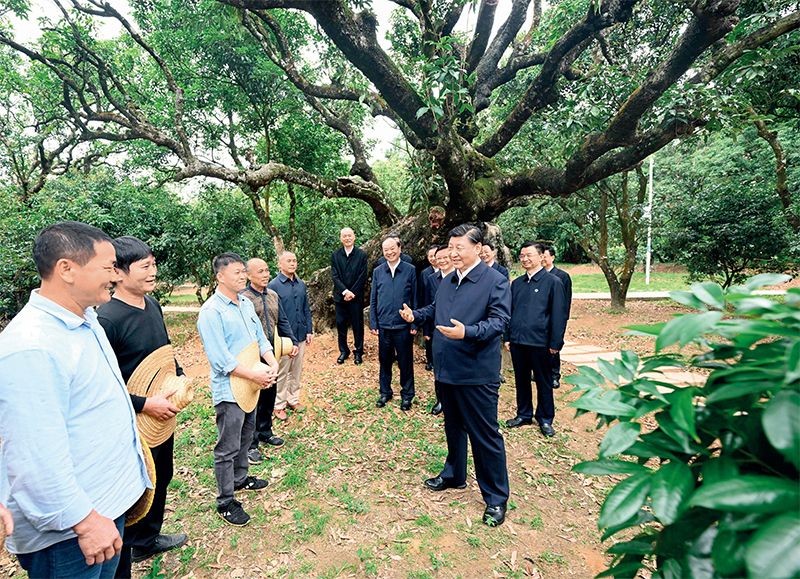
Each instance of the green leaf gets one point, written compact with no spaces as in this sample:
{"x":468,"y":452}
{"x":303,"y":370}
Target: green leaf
{"x":609,"y":370}
{"x":748,"y":494}
{"x":686,"y":328}
{"x":609,"y":466}
{"x":646,"y":329}
{"x":603,"y":406}
{"x":627,"y":569}
{"x":793,"y":364}
{"x":635,"y":546}
{"x":629,"y":363}
{"x":719,"y":469}
{"x":772,"y":551}
{"x":682,"y":411}
{"x":781,"y":422}
{"x":764,"y":279}
{"x":671,"y":485}
{"x":619,"y":438}
{"x":421,"y":111}
{"x":728,"y":553}
{"x":624,"y":500}
{"x":710,"y":293}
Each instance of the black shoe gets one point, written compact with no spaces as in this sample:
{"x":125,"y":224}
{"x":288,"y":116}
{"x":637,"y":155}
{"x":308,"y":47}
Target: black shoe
{"x":357,"y":359}
{"x":233,"y":514}
{"x":254,"y":456}
{"x":517,"y":421}
{"x":547,"y":429}
{"x":494,"y":515}
{"x":252,"y":483}
{"x":405,"y":405}
{"x":160,"y":545}
{"x":273,"y":440}
{"x":342,"y":358}
{"x":381,"y":402}
{"x":556,"y":385}
{"x":428,"y":366}
{"x":438,"y":483}
{"x":437,"y":408}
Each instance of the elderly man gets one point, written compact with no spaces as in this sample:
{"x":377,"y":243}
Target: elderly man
{"x":71,"y":459}
{"x":134,"y":324}
{"x":227,"y":325}
{"x":470,"y":312}
{"x":394,"y":283}
{"x":349,"y":273}
{"x":294,"y":299}
{"x":548,"y":260}
{"x":536,"y":332}
{"x":271,"y":313}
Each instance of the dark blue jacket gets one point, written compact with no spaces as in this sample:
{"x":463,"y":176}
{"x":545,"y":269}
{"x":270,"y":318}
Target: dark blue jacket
{"x":501,"y":269}
{"x":538,"y":317}
{"x":422,"y":280}
{"x":294,"y":301}
{"x":432,"y":283}
{"x":482,"y":302}
{"x":567,"y":282}
{"x":388,"y":294}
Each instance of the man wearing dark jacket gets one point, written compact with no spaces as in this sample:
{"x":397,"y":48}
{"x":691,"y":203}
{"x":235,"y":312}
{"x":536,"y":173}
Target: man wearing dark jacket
{"x":432,"y":283}
{"x":422,"y":297}
{"x":349,"y":272}
{"x":489,"y":257}
{"x":393,"y":283}
{"x":536,"y":331}
{"x":548,"y":260}
{"x":471,"y":309}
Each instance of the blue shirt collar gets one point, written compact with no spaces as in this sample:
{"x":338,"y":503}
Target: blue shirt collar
{"x":284,"y":278}
{"x":225,"y":299}
{"x":68,"y":318}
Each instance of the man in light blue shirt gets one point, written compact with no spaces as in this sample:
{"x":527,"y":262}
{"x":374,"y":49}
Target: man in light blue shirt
{"x":71,"y":458}
{"x":227,"y":325}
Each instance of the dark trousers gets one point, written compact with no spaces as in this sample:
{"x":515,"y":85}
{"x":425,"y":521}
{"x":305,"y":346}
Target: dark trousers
{"x":65,"y":560}
{"x":534,"y":360}
{"x":555,"y":364}
{"x":234,"y":435}
{"x":470,"y":412}
{"x":263,"y":418}
{"x":428,"y":351}
{"x":396,"y":344}
{"x":350,"y":314}
{"x":143,"y":534}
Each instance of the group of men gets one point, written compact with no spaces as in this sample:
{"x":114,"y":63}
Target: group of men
{"x":65,"y":409}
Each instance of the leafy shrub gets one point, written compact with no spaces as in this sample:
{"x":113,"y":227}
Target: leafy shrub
{"x":713,"y":490}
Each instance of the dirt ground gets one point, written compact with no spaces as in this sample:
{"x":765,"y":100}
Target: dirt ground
{"x":346,"y":496}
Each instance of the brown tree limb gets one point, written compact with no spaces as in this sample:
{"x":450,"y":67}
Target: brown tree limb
{"x":781,"y":182}
{"x":483,"y":30}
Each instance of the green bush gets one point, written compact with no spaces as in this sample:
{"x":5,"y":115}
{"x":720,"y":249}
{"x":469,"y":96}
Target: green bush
{"x":713,"y":489}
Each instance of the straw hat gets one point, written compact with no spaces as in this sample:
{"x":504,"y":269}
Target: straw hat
{"x":281,"y":346}
{"x":141,"y":507}
{"x":245,"y":392}
{"x":156,"y":375}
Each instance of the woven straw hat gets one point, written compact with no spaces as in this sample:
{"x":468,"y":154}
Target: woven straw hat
{"x":156,"y":375}
{"x":281,"y":346}
{"x":245,"y":392}
{"x":141,"y":507}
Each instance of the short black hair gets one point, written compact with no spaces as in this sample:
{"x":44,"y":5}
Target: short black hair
{"x":434,"y":246}
{"x":551,"y":249}
{"x":223,"y":260}
{"x":470,"y":231}
{"x":442,"y":248}
{"x":130,"y":250}
{"x":540,"y":247}
{"x":71,"y":240}
{"x":393,"y":236}
{"x":489,"y":244}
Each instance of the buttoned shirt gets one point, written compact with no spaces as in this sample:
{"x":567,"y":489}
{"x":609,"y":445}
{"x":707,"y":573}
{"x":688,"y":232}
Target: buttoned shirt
{"x":226,"y":328}
{"x":270,"y":311}
{"x":68,"y":430}
{"x":389,"y":293}
{"x":538,"y":316}
{"x":294,"y":301}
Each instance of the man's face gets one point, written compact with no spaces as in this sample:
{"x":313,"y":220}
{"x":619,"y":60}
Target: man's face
{"x":233,"y":277}
{"x":140,"y":278}
{"x":443,"y":260}
{"x":391,"y":250}
{"x":347,"y":237}
{"x":258,"y":273}
{"x":432,"y":257}
{"x":92,"y":282}
{"x":530,"y":258}
{"x":487,"y":255}
{"x":548,"y":259}
{"x":288,"y":264}
{"x":463,"y":252}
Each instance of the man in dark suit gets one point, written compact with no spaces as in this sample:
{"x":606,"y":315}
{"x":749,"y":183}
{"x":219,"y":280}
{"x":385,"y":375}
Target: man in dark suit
{"x":548,"y":259}
{"x":349,"y":272}
{"x":489,"y":257}
{"x":535,"y":333}
{"x":432,"y":283}
{"x":393,"y":283}
{"x":422,"y":295}
{"x":471,"y":309}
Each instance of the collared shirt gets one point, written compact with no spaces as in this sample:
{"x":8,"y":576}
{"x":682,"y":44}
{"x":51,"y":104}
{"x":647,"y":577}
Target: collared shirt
{"x":538,"y":316}
{"x":226,"y":328}
{"x":348,"y":251}
{"x":531,"y":274}
{"x":393,"y":268}
{"x":294,"y":301}
{"x":269,"y":309}
{"x":68,"y":430}
{"x":461,"y":276}
{"x":389,"y":293}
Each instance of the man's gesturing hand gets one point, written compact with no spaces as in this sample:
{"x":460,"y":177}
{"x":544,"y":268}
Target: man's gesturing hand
{"x":454,"y":332}
{"x":98,"y":538}
{"x":407,"y":314}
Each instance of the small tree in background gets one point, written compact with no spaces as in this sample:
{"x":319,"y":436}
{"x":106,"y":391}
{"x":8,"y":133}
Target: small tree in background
{"x":713,"y":490}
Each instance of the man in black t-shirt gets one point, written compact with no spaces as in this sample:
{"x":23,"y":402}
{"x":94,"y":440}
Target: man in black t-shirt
{"x":134,"y":324}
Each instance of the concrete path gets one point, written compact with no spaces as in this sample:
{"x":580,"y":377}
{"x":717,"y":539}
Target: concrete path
{"x":656,"y":295}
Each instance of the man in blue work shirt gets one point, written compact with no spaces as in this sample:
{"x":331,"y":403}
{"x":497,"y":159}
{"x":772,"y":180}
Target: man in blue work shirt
{"x":294,"y":299}
{"x":71,"y":456}
{"x":394,"y":282}
{"x":227,"y":324}
{"x":536,"y":332}
{"x":471,"y":310}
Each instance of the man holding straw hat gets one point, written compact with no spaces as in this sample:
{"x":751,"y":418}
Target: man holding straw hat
{"x":235,"y":345}
{"x":134,"y":324}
